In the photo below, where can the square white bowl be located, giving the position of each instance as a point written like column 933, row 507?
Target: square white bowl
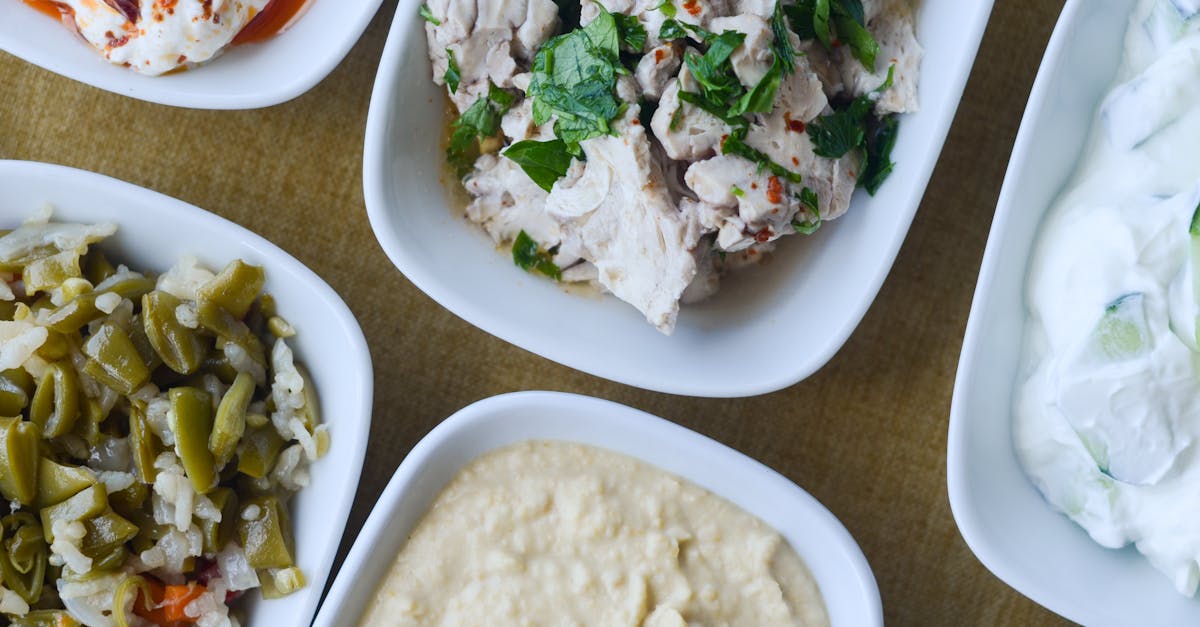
column 790, row 316
column 245, row 76
column 153, row 232
column 838, row 565
column 1002, row 516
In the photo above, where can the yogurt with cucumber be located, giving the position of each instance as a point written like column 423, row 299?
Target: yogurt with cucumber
column 1107, row 417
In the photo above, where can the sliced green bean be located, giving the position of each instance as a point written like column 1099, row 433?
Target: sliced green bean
column 19, row 442
column 46, row 273
column 258, row 451
column 277, row 583
column 230, row 423
column 142, row 444
column 13, row 396
column 130, row 500
column 89, row 503
column 106, row 532
column 113, row 360
column 57, row 483
column 218, row 534
column 192, row 422
column 45, row 618
column 56, row 346
column 265, row 533
column 96, row 267
column 55, row 405
column 181, row 349
column 235, row 288
column 23, row 555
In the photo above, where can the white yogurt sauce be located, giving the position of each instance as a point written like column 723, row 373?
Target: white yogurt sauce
column 1108, row 420
column 167, row 33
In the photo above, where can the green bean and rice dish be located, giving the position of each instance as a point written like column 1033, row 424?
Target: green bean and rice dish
column 152, row 431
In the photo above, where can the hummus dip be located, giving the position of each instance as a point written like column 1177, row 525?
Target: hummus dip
column 554, row 533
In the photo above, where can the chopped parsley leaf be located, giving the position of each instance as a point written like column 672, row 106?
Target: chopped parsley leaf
column 781, row 44
column 667, row 7
column 808, row 198
column 881, row 139
column 733, row 145
column 712, row 70
column 737, row 191
column 828, row 21
column 453, row 76
column 480, row 120
column 428, row 15
column 529, row 256
column 671, row 30
column 544, row 162
column 761, row 99
column 632, row 33
column 838, row 133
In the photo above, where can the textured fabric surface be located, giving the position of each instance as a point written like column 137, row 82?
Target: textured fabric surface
column 866, row 435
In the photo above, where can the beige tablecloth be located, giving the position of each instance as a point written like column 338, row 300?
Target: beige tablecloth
column 866, row 435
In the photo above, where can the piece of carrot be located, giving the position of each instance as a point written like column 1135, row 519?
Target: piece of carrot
column 166, row 605
column 175, row 598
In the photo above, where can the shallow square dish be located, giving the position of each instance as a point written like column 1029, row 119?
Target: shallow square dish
column 1001, row 515
column 153, row 231
column 836, row 562
column 245, row 76
column 791, row 316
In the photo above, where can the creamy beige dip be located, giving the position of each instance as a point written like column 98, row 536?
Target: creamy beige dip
column 553, row 533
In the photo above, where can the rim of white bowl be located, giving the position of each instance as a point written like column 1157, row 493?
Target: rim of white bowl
column 969, row 526
column 606, row 417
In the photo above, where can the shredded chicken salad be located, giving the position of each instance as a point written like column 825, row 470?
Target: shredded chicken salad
column 653, row 146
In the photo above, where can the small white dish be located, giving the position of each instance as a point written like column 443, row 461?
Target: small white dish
column 1002, row 516
column 768, row 327
column 153, row 232
column 245, row 76
column 836, row 562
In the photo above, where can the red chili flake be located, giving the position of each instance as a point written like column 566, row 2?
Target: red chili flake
column 636, row 122
column 762, row 237
column 774, row 190
column 753, row 185
column 659, row 55
column 795, row 126
column 795, row 161
column 692, row 6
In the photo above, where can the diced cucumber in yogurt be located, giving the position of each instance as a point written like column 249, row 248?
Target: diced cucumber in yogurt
column 1122, row 332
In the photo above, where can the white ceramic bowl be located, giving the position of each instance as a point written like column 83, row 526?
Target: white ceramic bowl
column 792, row 315
column 153, row 231
column 245, row 76
column 1001, row 515
column 836, row 562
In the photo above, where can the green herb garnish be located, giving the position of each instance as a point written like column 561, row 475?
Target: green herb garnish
column 733, row 145
column 828, row 21
column 667, row 7
column 428, row 15
column 453, row 76
column 856, row 126
column 529, row 256
column 808, row 198
column 544, row 162
column 480, row 120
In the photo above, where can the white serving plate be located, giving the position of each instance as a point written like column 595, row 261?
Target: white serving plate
column 153, row 232
column 840, row 569
column 245, row 76
column 767, row 329
column 1001, row 515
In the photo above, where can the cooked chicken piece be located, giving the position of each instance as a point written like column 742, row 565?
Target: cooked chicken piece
column 657, row 68
column 891, row 22
column 746, row 205
column 491, row 39
column 753, row 59
column 506, row 201
column 517, row 125
column 686, row 131
column 708, row 279
column 616, row 211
